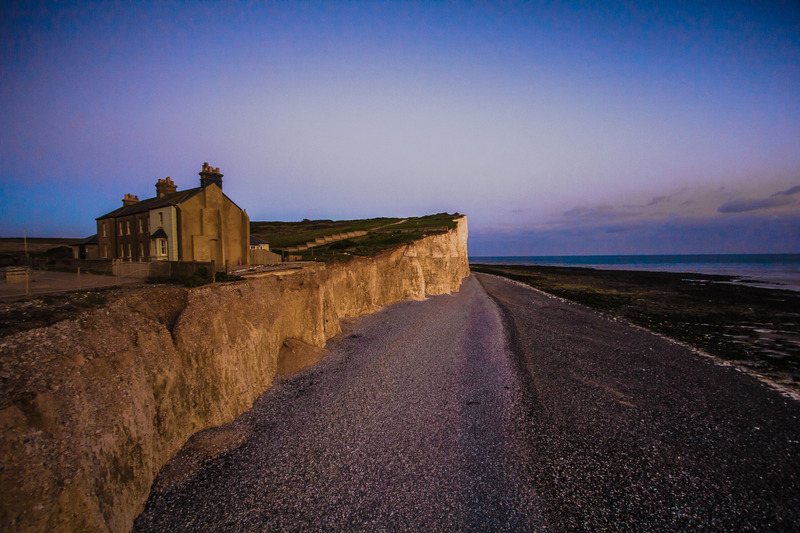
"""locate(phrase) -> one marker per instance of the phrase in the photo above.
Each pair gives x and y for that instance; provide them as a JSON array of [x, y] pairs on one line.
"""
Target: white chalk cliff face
[[91, 407]]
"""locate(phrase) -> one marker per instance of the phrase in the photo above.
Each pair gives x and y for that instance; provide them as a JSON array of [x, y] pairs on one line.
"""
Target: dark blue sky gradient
[[557, 127]]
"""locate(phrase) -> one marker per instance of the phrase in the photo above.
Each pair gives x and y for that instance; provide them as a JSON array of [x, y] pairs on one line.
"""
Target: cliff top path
[[497, 408]]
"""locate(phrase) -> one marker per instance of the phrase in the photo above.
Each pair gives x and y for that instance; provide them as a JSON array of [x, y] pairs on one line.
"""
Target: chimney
[[210, 175], [165, 187], [129, 200]]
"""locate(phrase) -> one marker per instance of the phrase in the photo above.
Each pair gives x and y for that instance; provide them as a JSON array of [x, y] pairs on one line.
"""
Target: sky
[[559, 128]]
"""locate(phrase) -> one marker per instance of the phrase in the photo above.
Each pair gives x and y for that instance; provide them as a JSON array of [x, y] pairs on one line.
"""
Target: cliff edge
[[93, 406]]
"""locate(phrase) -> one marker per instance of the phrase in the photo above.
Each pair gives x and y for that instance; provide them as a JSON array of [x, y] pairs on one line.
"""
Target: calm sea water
[[781, 271]]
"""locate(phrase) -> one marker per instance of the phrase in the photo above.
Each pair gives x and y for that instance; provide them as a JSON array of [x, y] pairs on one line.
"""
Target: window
[[141, 247], [121, 254], [162, 243], [129, 251], [141, 229], [104, 229], [128, 224], [120, 228], [105, 247], [161, 220]]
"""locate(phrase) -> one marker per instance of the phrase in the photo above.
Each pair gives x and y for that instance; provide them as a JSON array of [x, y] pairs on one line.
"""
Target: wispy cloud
[[779, 199], [601, 212], [750, 233], [685, 220], [675, 204], [657, 200]]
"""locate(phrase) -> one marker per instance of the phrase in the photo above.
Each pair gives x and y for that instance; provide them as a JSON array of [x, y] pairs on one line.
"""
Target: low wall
[[157, 270], [15, 274], [179, 270], [91, 407], [263, 257]]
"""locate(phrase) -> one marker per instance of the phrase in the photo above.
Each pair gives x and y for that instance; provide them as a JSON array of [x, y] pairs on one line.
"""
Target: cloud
[[683, 202], [600, 213], [687, 220], [793, 190], [742, 206], [778, 199], [752, 233]]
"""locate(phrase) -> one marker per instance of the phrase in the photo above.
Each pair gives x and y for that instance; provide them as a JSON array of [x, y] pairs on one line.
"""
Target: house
[[200, 224], [86, 248], [258, 244], [260, 254]]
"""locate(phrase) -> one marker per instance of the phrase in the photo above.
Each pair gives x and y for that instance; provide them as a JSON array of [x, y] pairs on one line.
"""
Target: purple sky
[[558, 128]]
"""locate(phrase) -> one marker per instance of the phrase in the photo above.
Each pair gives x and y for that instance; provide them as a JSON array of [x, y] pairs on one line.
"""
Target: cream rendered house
[[200, 224]]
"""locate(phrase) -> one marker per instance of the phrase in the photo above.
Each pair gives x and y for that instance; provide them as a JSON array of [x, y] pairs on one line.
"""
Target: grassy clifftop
[[383, 233]]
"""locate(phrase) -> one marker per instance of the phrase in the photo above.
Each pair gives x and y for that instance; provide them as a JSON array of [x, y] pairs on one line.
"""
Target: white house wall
[[170, 227]]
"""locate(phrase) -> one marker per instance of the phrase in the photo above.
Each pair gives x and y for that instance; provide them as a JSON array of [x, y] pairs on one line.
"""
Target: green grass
[[286, 234], [366, 246], [440, 220], [386, 233]]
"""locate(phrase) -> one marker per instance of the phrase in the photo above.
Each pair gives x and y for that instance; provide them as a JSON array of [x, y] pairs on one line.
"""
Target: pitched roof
[[159, 234], [254, 241], [92, 239], [152, 203]]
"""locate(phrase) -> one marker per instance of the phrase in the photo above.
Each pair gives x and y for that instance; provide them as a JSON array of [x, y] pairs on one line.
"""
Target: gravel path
[[494, 409], [406, 426], [631, 432]]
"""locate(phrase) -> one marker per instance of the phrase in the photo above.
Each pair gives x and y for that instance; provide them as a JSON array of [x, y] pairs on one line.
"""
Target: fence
[[14, 274], [94, 266], [156, 270], [131, 269], [181, 270]]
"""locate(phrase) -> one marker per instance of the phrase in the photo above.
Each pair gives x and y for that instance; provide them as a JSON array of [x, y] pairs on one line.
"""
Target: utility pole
[[27, 263]]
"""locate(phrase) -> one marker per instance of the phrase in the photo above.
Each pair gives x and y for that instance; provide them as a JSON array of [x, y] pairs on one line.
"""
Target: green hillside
[[384, 233]]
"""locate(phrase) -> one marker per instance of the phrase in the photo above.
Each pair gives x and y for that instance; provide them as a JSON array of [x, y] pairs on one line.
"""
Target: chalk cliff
[[92, 407]]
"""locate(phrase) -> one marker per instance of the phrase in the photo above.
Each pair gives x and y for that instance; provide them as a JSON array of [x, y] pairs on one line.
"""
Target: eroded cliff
[[91, 407]]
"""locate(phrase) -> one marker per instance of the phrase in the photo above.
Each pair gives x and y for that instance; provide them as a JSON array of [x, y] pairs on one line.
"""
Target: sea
[[773, 271]]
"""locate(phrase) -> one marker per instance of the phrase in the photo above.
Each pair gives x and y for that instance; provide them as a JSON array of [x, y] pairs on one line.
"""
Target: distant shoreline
[[767, 271]]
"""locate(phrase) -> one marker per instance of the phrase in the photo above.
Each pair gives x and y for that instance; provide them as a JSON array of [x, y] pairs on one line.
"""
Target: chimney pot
[[210, 175], [165, 187], [129, 199]]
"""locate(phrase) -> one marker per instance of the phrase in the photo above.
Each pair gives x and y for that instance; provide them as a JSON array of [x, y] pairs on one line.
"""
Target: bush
[[221, 277], [200, 277]]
